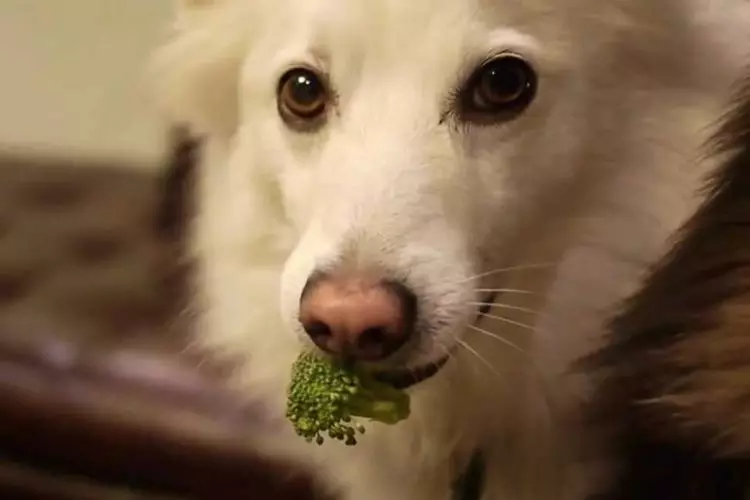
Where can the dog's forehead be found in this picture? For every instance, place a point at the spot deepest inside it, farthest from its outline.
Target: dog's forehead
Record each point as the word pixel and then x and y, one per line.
pixel 444 35
pixel 383 29
pixel 417 25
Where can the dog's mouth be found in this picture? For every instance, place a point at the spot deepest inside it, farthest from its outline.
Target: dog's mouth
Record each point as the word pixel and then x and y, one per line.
pixel 403 379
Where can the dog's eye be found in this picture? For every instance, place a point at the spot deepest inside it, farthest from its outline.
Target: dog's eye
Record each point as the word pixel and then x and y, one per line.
pixel 499 89
pixel 301 96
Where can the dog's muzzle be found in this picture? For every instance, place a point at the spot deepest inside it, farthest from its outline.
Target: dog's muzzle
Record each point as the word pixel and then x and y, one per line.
pixel 402 379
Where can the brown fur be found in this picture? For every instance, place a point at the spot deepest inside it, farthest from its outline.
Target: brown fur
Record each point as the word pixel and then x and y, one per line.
pixel 675 377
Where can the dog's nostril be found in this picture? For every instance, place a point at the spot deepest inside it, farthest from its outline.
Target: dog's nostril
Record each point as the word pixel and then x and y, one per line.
pixel 372 338
pixel 318 329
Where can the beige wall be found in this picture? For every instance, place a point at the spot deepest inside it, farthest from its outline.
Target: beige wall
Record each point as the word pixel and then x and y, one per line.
pixel 71 77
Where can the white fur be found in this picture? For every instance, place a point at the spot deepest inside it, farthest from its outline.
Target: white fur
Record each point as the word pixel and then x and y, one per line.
pixel 593 177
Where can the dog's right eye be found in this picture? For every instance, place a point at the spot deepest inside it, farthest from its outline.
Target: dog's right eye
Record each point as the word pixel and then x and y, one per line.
pixel 302 96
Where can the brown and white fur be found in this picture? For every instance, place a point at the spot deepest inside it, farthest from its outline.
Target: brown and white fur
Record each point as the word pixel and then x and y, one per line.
pixel 675 386
pixel 592 179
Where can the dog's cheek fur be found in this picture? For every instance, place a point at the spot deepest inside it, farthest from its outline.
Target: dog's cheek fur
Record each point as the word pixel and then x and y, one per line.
pixel 676 373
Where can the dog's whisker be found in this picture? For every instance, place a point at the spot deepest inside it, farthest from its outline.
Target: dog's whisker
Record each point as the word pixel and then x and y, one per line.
pixel 503 306
pixel 508 321
pixel 486 363
pixel 499 338
pixel 548 400
pixel 521 267
pixel 476 369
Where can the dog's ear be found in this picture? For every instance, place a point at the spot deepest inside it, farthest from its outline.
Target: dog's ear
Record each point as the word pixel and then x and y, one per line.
pixel 195 74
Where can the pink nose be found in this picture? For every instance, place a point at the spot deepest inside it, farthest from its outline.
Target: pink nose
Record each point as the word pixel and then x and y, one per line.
pixel 355 318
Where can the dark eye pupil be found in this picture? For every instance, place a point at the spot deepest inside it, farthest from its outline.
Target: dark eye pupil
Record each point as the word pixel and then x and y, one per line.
pixel 503 83
pixel 305 89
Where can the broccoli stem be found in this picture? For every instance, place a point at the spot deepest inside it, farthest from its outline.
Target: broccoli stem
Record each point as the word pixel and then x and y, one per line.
pixel 378 401
pixel 387 412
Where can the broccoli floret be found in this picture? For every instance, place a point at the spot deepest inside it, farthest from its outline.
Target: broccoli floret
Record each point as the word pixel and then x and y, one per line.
pixel 324 396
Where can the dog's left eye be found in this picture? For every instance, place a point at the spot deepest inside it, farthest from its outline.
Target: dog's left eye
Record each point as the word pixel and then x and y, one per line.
pixel 302 96
pixel 500 89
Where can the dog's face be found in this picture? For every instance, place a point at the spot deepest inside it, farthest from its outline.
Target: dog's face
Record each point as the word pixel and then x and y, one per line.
pixel 400 143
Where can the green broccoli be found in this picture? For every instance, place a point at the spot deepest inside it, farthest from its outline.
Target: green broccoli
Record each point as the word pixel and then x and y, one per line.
pixel 324 396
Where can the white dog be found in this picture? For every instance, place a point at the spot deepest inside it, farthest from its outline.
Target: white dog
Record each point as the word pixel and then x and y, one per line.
pixel 462 189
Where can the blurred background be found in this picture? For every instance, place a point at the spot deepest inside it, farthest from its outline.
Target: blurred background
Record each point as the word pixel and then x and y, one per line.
pixel 101 396
pixel 72 79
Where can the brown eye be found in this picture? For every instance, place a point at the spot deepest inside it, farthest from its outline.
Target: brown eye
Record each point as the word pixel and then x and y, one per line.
pixel 504 86
pixel 301 95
